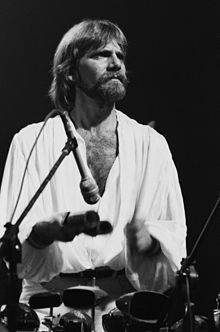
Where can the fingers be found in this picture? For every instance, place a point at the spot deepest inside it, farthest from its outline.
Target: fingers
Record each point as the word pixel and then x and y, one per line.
pixel 87 223
pixel 64 227
pixel 103 227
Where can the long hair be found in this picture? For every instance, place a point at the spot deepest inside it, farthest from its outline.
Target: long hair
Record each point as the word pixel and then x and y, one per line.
pixel 89 34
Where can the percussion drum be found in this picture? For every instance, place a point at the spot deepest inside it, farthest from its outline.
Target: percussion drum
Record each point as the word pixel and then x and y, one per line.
pixel 136 312
pixel 116 321
pixel 26 318
pixel 141 312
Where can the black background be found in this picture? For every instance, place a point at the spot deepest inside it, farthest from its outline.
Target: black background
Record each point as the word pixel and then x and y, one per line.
pixel 173 60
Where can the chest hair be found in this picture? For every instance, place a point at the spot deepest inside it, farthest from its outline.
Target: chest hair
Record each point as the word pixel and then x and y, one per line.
pixel 101 151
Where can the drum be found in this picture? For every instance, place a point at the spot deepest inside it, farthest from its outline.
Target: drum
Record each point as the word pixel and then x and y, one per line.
pixel 26 318
pixel 143 305
pixel 75 321
pixel 136 312
pixel 116 321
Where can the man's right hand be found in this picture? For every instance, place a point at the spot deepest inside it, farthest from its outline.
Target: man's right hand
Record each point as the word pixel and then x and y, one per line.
pixel 64 227
pixel 74 224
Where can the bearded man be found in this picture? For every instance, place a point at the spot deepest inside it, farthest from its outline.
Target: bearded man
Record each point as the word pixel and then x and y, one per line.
pixel 139 191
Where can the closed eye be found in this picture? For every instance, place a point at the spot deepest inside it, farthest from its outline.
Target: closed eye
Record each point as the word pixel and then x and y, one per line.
pixel 104 54
pixel 121 56
pixel 107 54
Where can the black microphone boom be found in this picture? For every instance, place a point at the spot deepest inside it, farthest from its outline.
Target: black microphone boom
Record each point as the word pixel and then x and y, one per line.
pixel 88 186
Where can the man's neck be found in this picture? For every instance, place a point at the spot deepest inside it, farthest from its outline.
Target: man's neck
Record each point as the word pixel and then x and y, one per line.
pixel 89 114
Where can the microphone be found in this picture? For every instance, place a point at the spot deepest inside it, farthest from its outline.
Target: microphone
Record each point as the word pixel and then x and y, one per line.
pixel 87 223
pixel 88 186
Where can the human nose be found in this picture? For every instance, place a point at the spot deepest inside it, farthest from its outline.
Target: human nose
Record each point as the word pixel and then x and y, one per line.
pixel 114 63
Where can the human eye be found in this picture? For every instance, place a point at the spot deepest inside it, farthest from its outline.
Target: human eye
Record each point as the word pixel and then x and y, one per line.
pixel 103 54
pixel 121 56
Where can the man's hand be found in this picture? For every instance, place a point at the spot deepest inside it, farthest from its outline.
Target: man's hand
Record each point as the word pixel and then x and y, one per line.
pixel 140 240
pixel 74 224
pixel 53 229
pixel 64 227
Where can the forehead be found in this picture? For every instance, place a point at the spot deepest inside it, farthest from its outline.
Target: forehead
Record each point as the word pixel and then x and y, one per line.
pixel 110 46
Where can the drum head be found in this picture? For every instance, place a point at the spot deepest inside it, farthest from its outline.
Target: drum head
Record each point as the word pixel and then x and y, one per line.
pixel 143 305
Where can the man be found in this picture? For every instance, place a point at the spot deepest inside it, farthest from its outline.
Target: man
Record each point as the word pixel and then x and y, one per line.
pixel 131 164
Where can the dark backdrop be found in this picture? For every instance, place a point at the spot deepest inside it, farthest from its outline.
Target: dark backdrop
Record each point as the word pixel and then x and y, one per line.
pixel 173 61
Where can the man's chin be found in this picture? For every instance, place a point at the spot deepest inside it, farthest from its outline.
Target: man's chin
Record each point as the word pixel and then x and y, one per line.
pixel 109 92
pixel 113 91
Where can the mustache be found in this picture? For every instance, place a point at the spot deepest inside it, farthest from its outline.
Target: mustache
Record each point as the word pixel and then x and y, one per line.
pixel 107 77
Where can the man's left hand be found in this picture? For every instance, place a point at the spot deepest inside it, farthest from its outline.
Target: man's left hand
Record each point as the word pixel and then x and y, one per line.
pixel 139 239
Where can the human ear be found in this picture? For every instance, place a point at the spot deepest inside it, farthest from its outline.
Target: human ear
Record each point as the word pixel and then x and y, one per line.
pixel 72 75
pixel 70 78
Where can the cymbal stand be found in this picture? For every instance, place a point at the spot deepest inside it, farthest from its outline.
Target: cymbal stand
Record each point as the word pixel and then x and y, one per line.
pixel 184 277
pixel 10 248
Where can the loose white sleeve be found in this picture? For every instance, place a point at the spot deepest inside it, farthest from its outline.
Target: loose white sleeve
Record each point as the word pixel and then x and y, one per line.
pixel 160 206
pixel 32 260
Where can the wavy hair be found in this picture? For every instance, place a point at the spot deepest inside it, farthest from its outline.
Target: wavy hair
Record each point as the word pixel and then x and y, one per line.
pixel 89 34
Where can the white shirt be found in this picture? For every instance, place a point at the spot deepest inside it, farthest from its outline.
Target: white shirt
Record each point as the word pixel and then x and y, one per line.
pixel 142 185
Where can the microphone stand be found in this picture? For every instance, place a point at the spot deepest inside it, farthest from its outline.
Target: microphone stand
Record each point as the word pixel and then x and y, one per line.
pixel 10 248
pixel 184 276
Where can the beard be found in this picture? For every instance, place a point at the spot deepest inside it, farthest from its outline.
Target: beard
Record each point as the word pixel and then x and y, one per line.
pixel 109 88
